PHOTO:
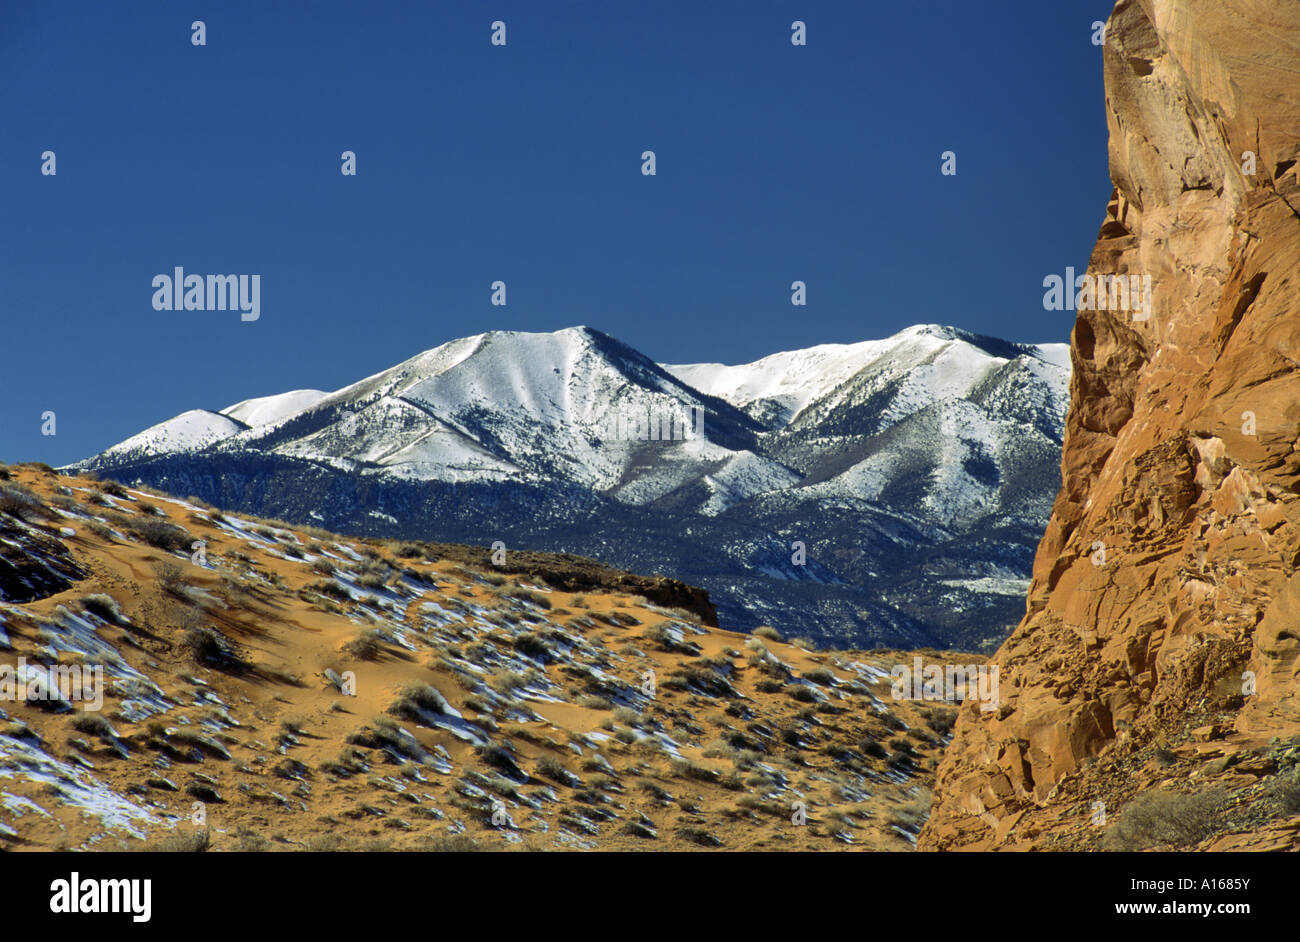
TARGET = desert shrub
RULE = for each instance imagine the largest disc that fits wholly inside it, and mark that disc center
(387, 735)
(941, 721)
(101, 530)
(418, 700)
(410, 551)
(448, 844)
(690, 678)
(1160, 817)
(873, 749)
(161, 534)
(103, 606)
(505, 681)
(366, 646)
(210, 648)
(768, 632)
(93, 724)
(18, 501)
(698, 836)
(171, 578)
(627, 716)
(65, 502)
(912, 815)
(659, 634)
(177, 842)
(499, 758)
(685, 768)
(248, 841)
(528, 595)
(554, 769)
(332, 589)
(900, 744)
(801, 692)
(532, 646)
(351, 761)
(820, 675)
(326, 842)
(718, 749)
(618, 619)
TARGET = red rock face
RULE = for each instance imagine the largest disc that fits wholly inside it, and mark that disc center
(1167, 578)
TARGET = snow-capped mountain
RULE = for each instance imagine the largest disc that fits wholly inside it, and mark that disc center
(890, 491)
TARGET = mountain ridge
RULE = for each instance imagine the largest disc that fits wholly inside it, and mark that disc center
(538, 416)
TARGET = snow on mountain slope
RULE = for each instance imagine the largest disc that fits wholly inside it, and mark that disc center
(507, 406)
(271, 409)
(195, 429)
(920, 365)
(902, 374)
(790, 379)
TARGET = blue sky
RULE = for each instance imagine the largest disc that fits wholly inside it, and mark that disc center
(521, 163)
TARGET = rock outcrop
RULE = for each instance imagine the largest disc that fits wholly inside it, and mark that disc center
(1164, 613)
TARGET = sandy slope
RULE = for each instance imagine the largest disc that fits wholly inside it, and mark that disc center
(527, 735)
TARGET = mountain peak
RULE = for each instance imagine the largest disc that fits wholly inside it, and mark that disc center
(574, 441)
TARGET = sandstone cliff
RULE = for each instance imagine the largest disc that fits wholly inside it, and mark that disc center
(1167, 578)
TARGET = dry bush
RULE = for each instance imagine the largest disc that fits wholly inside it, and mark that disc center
(505, 681)
(18, 501)
(1165, 818)
(210, 648)
(177, 842)
(366, 646)
(104, 607)
(112, 489)
(911, 816)
(417, 701)
(528, 595)
(171, 578)
(161, 534)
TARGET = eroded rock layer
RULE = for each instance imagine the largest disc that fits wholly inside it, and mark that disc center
(1159, 648)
